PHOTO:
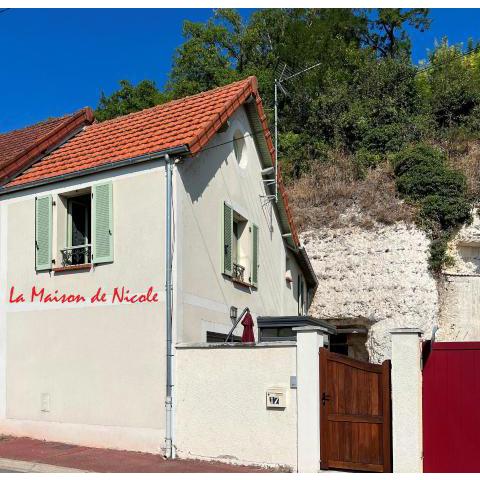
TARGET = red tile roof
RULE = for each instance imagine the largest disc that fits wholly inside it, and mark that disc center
(189, 122)
(19, 148)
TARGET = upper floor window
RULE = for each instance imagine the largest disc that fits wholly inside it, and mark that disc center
(78, 245)
(84, 228)
(240, 247)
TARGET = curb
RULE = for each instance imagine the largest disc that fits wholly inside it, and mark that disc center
(35, 467)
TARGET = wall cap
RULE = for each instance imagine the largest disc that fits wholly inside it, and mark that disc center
(396, 331)
(310, 328)
(236, 345)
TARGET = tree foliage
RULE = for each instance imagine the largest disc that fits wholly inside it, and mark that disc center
(424, 176)
(365, 98)
(128, 99)
(386, 32)
(451, 86)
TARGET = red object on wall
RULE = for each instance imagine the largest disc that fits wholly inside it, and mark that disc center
(248, 335)
(451, 407)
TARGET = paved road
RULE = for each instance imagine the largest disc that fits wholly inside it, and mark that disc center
(8, 471)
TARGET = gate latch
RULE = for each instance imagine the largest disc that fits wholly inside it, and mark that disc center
(325, 398)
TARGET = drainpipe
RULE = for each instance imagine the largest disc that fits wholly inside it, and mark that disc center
(168, 307)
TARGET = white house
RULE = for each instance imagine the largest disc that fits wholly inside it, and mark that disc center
(91, 216)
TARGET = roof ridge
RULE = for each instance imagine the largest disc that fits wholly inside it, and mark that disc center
(171, 102)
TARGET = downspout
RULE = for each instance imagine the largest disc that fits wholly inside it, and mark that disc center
(168, 308)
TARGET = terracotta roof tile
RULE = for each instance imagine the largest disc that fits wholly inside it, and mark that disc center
(17, 141)
(189, 121)
(19, 148)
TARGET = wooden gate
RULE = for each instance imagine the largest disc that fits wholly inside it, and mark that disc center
(451, 407)
(355, 420)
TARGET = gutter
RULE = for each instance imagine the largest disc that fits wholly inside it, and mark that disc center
(182, 149)
(169, 453)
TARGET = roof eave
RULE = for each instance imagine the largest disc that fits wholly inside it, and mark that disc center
(178, 150)
(267, 156)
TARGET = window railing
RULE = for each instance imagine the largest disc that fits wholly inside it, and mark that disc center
(238, 272)
(76, 255)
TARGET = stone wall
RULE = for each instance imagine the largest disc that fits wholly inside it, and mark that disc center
(377, 277)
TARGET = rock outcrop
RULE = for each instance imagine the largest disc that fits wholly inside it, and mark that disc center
(375, 277)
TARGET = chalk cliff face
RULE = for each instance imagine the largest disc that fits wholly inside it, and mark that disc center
(374, 277)
(459, 315)
(379, 278)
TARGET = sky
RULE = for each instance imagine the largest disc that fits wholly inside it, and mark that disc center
(56, 61)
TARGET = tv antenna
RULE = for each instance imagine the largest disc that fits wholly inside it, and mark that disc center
(283, 74)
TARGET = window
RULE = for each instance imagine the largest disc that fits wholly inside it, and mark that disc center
(301, 295)
(272, 334)
(78, 249)
(288, 271)
(239, 252)
(240, 247)
(215, 337)
(84, 228)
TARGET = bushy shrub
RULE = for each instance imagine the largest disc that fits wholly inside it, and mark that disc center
(438, 253)
(448, 212)
(365, 160)
(424, 177)
(297, 152)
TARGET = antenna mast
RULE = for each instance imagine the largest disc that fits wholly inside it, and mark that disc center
(284, 76)
(278, 85)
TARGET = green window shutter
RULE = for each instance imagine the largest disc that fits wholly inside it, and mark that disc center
(254, 277)
(102, 223)
(43, 233)
(227, 239)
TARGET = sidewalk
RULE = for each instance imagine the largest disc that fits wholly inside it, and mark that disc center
(40, 456)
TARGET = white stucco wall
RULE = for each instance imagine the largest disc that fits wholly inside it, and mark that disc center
(378, 277)
(204, 294)
(101, 366)
(221, 409)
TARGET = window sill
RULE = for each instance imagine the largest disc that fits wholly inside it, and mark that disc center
(83, 266)
(242, 283)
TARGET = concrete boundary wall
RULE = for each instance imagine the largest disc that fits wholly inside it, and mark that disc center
(220, 403)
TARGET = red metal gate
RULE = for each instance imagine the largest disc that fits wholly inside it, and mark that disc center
(451, 407)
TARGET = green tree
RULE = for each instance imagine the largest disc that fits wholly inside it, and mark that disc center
(357, 97)
(211, 55)
(451, 86)
(386, 32)
(424, 177)
(354, 99)
(129, 98)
